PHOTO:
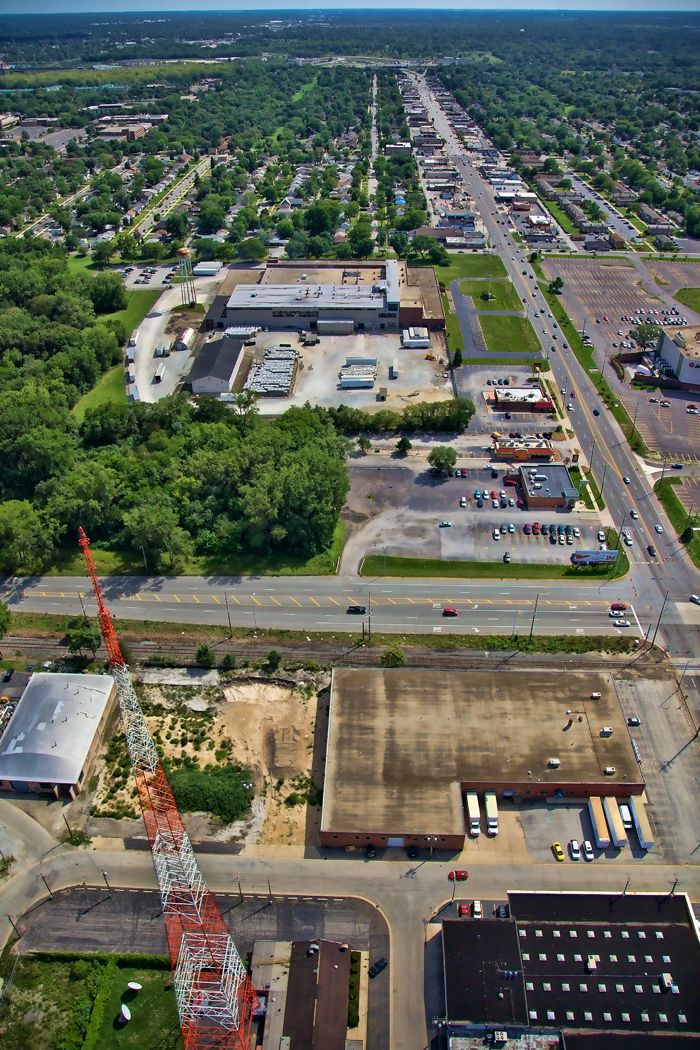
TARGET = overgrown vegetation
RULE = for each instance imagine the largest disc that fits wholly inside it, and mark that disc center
(354, 990)
(683, 522)
(223, 791)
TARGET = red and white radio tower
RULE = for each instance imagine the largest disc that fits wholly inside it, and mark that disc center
(215, 997)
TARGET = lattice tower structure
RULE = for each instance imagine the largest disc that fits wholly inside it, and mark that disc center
(215, 997)
(188, 292)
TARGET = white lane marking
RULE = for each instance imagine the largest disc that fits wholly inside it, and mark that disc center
(636, 619)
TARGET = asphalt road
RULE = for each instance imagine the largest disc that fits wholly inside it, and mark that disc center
(319, 604)
(407, 894)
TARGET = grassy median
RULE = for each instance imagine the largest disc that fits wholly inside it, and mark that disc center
(435, 568)
(682, 521)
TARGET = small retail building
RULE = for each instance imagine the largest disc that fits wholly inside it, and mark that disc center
(521, 451)
(680, 349)
(521, 399)
(549, 488)
(216, 366)
(51, 740)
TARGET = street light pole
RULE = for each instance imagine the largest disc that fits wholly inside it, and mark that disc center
(653, 638)
(369, 617)
(534, 614)
(228, 616)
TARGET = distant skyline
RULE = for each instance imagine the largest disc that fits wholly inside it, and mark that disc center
(28, 7)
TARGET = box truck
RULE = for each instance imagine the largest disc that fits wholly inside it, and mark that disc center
(491, 807)
(474, 814)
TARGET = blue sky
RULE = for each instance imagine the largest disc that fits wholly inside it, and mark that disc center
(115, 6)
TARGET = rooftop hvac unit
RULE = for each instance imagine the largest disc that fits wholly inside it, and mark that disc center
(609, 771)
(553, 763)
(591, 963)
(606, 731)
(595, 696)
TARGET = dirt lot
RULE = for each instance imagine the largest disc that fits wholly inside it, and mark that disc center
(267, 727)
(317, 380)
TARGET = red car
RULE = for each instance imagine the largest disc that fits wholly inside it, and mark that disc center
(449, 611)
(536, 529)
(463, 910)
(494, 494)
(509, 481)
(458, 876)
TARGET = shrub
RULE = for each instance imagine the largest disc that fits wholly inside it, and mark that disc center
(393, 656)
(274, 660)
(220, 790)
(204, 656)
(229, 662)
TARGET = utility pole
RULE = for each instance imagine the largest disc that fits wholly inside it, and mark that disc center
(43, 879)
(534, 614)
(634, 421)
(82, 604)
(653, 637)
(605, 470)
(104, 876)
(228, 616)
(14, 927)
(663, 470)
(369, 617)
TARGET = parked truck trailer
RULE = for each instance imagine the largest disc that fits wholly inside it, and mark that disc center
(474, 814)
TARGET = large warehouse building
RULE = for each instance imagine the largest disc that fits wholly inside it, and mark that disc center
(404, 745)
(51, 740)
(337, 300)
(599, 970)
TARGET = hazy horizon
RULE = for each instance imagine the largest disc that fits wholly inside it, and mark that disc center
(115, 7)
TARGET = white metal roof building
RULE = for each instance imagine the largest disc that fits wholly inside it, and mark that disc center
(302, 306)
(51, 739)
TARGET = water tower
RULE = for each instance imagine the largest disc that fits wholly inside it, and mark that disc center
(187, 288)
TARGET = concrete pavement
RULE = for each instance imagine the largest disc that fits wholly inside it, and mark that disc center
(406, 900)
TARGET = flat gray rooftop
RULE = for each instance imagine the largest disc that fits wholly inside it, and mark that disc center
(50, 734)
(558, 481)
(401, 743)
(306, 296)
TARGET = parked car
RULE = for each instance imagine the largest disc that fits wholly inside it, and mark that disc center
(460, 875)
(587, 850)
(444, 524)
(376, 968)
(634, 720)
(574, 850)
(8, 675)
(557, 851)
(463, 910)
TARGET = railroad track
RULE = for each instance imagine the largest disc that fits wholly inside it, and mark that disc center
(145, 653)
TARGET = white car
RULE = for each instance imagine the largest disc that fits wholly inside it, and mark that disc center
(587, 850)
(569, 406)
(601, 536)
(463, 501)
(615, 613)
(577, 532)
(574, 850)
(622, 623)
(659, 529)
(634, 514)
(496, 534)
(627, 541)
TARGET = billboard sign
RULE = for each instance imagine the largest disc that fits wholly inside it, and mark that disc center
(594, 557)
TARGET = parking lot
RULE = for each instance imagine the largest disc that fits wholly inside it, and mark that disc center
(317, 379)
(599, 293)
(562, 822)
(398, 510)
(474, 384)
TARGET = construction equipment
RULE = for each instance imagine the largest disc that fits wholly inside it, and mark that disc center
(215, 997)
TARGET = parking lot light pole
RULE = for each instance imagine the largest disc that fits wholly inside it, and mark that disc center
(534, 614)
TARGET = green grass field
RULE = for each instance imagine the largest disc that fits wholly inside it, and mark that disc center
(109, 387)
(561, 217)
(507, 335)
(690, 297)
(678, 515)
(377, 565)
(154, 1019)
(504, 294)
(120, 563)
(471, 266)
(304, 89)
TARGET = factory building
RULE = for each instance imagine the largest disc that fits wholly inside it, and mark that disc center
(335, 300)
(339, 308)
(51, 740)
(680, 350)
(403, 747)
(582, 970)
